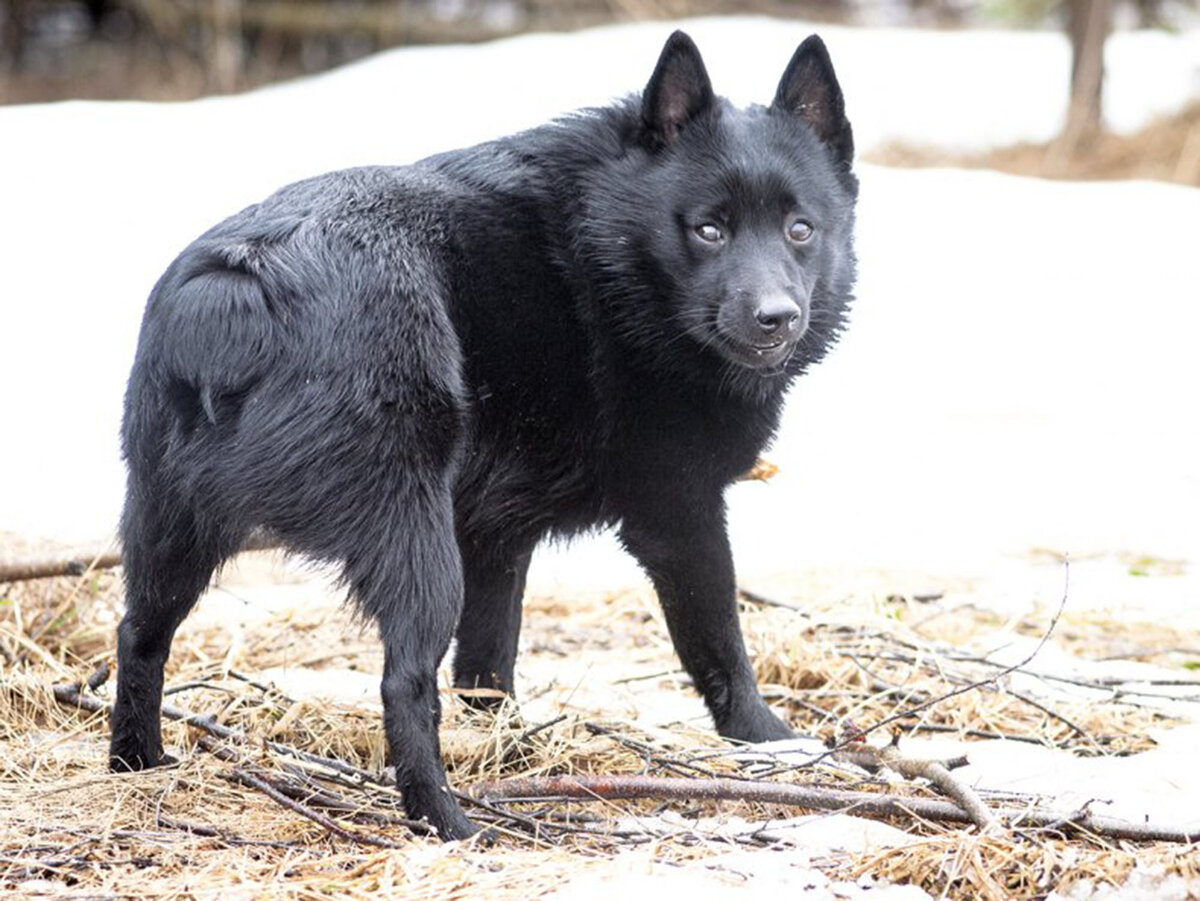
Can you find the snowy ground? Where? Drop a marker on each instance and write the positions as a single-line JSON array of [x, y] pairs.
[[1020, 375], [1020, 333]]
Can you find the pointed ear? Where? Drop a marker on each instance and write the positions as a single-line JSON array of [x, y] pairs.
[[809, 91], [678, 92]]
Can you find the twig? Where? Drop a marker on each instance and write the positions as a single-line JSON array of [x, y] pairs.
[[99, 676], [540, 727], [869, 758], [265, 689], [911, 713], [99, 558], [591, 788], [763, 601], [935, 771], [70, 694], [665, 788], [229, 838], [44, 568], [645, 677], [536, 827], [648, 753], [984, 733], [290, 797], [1053, 714], [995, 677], [237, 774], [192, 686]]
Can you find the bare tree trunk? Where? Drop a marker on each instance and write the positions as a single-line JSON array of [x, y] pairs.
[[12, 36], [226, 30], [1150, 13], [1088, 26]]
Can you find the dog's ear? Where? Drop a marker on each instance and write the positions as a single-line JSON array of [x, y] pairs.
[[678, 92], [809, 91]]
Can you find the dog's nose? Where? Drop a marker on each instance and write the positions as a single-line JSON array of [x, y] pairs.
[[776, 314]]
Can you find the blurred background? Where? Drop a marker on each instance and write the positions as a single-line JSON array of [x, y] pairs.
[[183, 49]]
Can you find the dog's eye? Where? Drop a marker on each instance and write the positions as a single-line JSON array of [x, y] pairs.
[[799, 231], [709, 233]]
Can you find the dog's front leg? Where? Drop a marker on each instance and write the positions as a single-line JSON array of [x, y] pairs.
[[683, 545]]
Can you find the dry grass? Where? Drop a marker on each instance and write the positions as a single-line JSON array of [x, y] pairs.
[[989, 869], [1167, 149], [70, 829]]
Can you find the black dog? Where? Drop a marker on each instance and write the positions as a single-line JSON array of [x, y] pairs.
[[420, 372]]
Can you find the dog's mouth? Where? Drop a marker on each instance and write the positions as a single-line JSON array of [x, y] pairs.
[[766, 354], [758, 354], [763, 349]]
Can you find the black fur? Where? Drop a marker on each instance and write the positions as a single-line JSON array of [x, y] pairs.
[[421, 372]]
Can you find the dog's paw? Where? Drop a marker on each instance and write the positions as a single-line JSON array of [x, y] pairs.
[[137, 761]]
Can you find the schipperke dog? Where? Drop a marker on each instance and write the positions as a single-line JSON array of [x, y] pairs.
[[420, 372]]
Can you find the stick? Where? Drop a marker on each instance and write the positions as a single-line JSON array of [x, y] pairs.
[[70, 694], [591, 788], [995, 677], [293, 795], [204, 831], [939, 775], [96, 559], [44, 568], [649, 754], [670, 788], [666, 788], [249, 779], [763, 601]]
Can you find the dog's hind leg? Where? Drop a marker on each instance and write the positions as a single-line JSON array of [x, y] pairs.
[[169, 559], [406, 574], [490, 625]]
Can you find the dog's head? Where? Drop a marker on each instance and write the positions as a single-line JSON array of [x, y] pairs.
[[741, 220]]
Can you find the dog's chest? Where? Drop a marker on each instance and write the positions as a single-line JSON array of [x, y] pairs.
[[570, 466]]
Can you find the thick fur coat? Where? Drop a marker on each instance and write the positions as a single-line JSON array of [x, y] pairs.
[[420, 372]]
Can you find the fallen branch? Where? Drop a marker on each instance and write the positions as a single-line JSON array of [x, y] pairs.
[[935, 771], [871, 804], [45, 568], [251, 780], [669, 788], [70, 694], [202, 830], [763, 601], [81, 562], [289, 796], [617, 787]]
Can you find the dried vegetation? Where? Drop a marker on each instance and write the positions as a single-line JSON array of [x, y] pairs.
[[208, 828], [1166, 149]]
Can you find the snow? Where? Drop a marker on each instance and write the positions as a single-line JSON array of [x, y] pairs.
[[815, 836], [1045, 333], [1038, 397], [733, 875], [1143, 884], [1158, 786], [1055, 675], [1020, 374]]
